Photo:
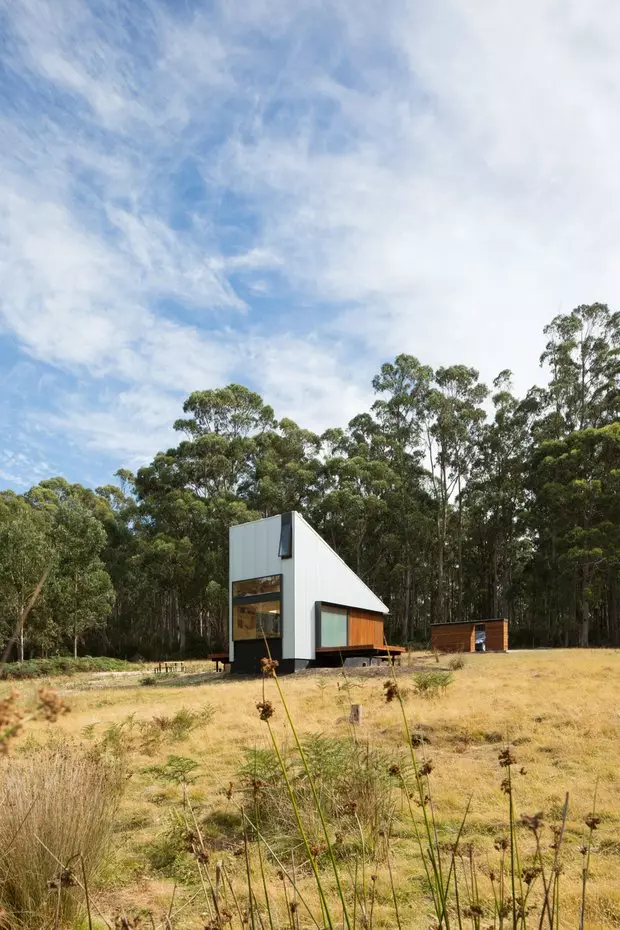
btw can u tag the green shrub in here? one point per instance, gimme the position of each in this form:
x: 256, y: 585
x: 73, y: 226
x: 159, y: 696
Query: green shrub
x: 352, y: 784
x: 178, y: 769
x: 169, y: 852
x: 59, y: 665
x: 456, y: 663
x: 179, y: 725
x: 431, y: 684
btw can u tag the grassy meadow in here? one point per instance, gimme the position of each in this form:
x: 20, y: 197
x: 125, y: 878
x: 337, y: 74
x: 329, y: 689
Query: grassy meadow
x: 188, y: 756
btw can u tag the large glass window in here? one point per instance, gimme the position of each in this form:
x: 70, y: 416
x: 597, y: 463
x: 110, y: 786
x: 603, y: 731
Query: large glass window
x: 257, y: 607
x: 251, y: 587
x: 334, y: 626
x: 256, y: 620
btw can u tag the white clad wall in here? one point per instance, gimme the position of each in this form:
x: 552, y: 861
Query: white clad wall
x: 321, y: 575
x: 253, y: 552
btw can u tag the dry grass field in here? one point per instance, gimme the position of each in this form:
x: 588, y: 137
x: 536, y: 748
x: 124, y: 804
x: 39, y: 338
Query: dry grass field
x: 559, y: 710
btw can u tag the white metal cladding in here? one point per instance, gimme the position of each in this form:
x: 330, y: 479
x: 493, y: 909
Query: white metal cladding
x: 314, y: 573
x: 253, y: 552
x: 321, y: 575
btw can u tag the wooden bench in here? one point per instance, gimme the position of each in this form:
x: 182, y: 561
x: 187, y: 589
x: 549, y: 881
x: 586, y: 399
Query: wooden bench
x: 219, y: 658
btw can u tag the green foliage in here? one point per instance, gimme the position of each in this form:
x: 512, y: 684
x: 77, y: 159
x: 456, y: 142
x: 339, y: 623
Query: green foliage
x: 179, y: 770
x: 180, y: 724
x: 432, y: 684
x: 169, y: 852
x: 58, y: 666
x: 449, y: 506
x: 351, y: 780
x: 456, y: 663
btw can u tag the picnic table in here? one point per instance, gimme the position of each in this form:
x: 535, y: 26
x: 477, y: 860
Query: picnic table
x: 166, y: 668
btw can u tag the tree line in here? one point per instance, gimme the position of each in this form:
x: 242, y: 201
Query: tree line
x: 452, y: 501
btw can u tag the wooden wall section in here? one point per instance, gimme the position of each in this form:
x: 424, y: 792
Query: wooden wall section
x: 365, y: 628
x: 497, y: 635
x: 453, y: 637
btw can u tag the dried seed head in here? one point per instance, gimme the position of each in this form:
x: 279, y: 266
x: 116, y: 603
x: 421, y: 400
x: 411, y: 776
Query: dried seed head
x: 394, y: 770
x: 507, y: 757
x: 10, y: 721
x: 426, y: 768
x: 269, y: 666
x: 63, y: 880
x: 294, y: 906
x: 265, y: 710
x: 506, y: 786
x: 501, y: 843
x: 391, y: 690
x: 51, y: 704
x: 474, y: 910
x: 530, y: 874
x: 533, y: 822
x: 592, y: 822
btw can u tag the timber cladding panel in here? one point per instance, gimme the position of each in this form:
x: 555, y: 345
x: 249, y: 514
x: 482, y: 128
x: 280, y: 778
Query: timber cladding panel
x: 365, y: 628
x: 453, y: 637
x: 497, y: 635
x: 461, y: 637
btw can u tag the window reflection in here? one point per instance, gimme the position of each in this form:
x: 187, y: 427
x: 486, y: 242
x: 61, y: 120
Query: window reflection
x: 253, y: 621
x: 268, y: 584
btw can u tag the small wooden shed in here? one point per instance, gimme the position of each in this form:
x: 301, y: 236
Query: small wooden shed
x: 461, y: 637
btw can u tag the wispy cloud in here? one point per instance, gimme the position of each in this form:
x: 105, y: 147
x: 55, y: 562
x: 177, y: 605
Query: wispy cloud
x: 287, y: 193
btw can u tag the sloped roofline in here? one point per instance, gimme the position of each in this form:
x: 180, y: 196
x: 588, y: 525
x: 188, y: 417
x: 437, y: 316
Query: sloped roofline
x: 340, y: 559
x: 299, y: 516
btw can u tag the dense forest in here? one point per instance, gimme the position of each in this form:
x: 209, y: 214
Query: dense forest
x: 450, y: 499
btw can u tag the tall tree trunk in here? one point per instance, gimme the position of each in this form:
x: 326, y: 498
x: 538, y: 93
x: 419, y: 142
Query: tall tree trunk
x: 496, y: 609
x: 584, y: 633
x: 75, y: 644
x: 404, y: 631
x: 460, y: 551
x: 21, y: 636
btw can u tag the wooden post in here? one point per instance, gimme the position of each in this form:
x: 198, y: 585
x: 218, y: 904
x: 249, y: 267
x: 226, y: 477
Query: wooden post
x: 356, y: 714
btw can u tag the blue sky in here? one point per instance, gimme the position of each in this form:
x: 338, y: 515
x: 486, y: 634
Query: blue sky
x: 286, y: 194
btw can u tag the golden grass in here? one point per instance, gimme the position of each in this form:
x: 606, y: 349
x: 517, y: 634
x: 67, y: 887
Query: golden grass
x: 57, y: 809
x: 558, y: 708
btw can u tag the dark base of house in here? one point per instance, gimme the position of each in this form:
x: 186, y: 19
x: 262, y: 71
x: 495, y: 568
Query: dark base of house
x: 248, y: 656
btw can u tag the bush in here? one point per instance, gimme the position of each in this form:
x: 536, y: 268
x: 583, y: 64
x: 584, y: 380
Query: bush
x: 456, y: 663
x: 56, y: 812
x: 178, y: 726
x: 431, y: 684
x: 352, y: 784
x: 59, y: 665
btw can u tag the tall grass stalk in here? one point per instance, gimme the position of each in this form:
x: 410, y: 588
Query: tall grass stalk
x: 319, y: 808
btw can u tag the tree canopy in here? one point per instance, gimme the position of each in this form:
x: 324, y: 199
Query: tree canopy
x: 451, y: 500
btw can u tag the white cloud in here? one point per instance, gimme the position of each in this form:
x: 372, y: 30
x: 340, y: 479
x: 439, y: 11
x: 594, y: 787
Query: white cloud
x: 436, y: 178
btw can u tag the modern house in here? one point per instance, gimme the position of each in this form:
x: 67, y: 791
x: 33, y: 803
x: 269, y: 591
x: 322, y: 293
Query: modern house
x: 291, y: 595
x: 481, y: 636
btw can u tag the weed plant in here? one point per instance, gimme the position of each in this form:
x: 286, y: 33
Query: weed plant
x: 432, y: 683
